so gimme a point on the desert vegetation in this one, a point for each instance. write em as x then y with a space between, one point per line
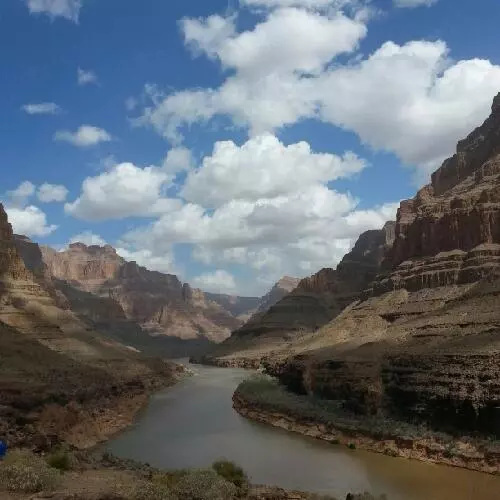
66 474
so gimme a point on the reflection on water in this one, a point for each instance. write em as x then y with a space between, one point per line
193 424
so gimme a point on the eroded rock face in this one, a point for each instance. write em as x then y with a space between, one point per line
158 302
319 298
424 344
11 266
58 376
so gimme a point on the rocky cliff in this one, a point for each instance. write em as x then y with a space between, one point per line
60 379
159 303
310 305
424 343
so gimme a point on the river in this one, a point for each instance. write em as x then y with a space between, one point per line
193 423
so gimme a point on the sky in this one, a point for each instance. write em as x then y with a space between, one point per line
232 142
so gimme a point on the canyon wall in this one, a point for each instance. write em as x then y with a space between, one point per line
424 342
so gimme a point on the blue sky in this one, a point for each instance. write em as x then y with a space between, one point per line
232 142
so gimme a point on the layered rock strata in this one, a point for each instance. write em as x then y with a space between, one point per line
158 302
423 343
60 380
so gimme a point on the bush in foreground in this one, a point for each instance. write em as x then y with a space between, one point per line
146 490
232 473
204 485
61 459
25 472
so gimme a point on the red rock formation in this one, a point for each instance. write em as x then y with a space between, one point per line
158 302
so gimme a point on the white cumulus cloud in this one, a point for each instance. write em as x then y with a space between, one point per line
85 136
219 281
125 190
68 9
43 108
163 262
19 197
263 167
29 221
88 238
178 159
410 99
48 193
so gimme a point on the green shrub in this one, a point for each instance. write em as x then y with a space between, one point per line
232 473
61 459
204 485
169 479
146 490
25 472
351 446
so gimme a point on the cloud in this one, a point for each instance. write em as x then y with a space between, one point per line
311 4
433 102
219 281
123 191
29 221
269 48
163 263
44 108
272 66
88 238
19 197
295 234
85 136
413 3
48 193
86 77
178 159
68 9
263 167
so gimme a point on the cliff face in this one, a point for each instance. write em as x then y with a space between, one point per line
54 369
315 300
157 302
424 343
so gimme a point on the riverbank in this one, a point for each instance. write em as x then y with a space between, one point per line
229 362
263 400
63 475
103 424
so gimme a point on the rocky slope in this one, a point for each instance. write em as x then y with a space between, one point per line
158 302
59 379
279 291
309 306
424 344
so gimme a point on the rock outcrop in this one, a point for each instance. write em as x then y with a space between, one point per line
60 379
423 344
310 305
157 302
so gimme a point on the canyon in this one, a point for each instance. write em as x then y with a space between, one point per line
59 379
151 311
407 326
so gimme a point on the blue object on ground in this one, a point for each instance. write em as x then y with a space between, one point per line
3 449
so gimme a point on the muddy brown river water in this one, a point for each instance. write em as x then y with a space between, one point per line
193 423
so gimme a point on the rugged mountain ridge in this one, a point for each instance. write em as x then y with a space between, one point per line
160 303
424 343
59 379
